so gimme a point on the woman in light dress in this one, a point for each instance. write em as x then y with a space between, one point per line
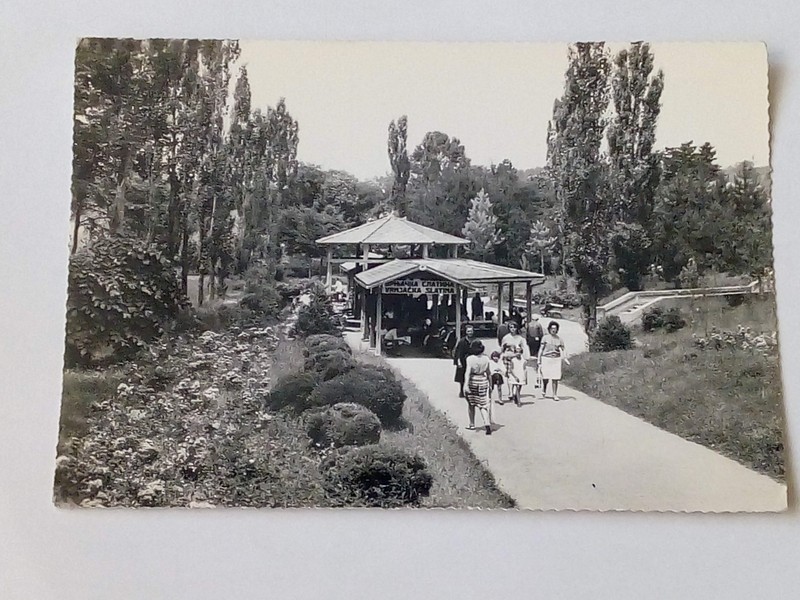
477 385
551 354
515 356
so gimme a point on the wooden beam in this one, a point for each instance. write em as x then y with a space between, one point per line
457 299
510 297
329 272
528 300
360 259
500 303
378 321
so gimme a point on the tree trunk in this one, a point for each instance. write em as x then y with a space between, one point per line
77 226
185 251
591 312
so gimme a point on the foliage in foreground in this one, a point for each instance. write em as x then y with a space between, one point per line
611 334
376 476
122 292
374 387
724 396
346 424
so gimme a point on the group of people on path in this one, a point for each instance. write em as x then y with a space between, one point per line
480 376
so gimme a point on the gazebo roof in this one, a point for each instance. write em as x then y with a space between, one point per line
460 270
392 230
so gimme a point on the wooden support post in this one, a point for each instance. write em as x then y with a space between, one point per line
456 299
425 250
499 304
510 299
455 250
378 322
364 267
329 272
528 301
364 316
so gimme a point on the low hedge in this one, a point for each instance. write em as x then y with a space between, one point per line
345 424
329 364
292 392
373 387
376 476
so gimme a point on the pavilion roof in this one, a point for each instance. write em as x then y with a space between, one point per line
392 230
461 270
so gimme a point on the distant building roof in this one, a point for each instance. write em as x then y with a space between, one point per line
460 270
392 230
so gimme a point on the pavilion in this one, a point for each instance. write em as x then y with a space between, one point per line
375 279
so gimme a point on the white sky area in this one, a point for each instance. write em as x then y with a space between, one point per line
496 98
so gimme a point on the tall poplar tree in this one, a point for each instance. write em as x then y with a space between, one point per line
575 135
633 164
401 166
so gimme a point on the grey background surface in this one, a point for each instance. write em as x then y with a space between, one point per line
48 553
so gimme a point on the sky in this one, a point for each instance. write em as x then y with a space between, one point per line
496 98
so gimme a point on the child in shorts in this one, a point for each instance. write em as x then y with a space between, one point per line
496 368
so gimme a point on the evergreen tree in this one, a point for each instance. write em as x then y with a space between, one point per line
481 227
690 210
539 242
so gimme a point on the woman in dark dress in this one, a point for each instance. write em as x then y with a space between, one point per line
460 354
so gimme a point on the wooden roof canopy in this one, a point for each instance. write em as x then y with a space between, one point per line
462 271
391 230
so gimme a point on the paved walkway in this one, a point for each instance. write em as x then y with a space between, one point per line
581 454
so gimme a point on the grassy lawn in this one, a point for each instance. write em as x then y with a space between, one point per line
459 479
729 400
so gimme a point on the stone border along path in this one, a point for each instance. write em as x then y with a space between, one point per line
582 454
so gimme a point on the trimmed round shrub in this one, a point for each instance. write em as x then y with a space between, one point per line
330 364
376 476
325 342
611 334
673 320
373 387
656 318
292 391
653 318
345 424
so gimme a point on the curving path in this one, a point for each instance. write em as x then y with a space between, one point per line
582 454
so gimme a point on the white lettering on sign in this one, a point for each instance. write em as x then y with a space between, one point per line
417 287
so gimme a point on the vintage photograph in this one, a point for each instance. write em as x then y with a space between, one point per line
423 275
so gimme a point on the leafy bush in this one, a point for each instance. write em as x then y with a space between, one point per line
376 476
563 297
373 387
329 364
346 424
653 318
325 343
262 300
611 334
122 293
317 316
744 338
292 391
656 318
289 290
673 320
